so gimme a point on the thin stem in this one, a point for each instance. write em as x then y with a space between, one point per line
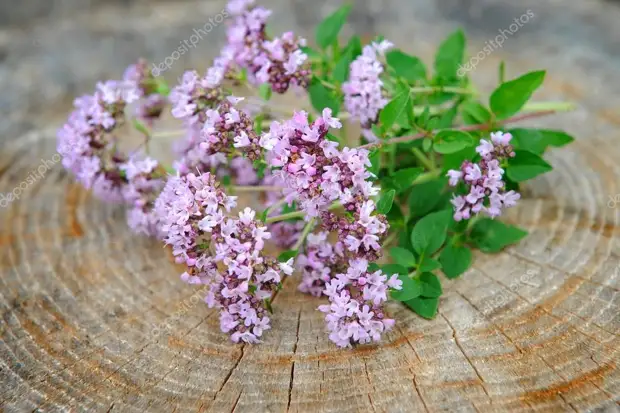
304 234
428 176
446 89
258 188
275 206
296 214
169 134
327 84
284 217
389 239
423 159
556 106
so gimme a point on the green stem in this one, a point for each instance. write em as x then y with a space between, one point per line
555 106
472 222
275 206
429 176
169 134
259 188
296 214
390 239
420 261
423 159
446 89
284 217
304 234
328 85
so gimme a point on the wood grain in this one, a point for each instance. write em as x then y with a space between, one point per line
94 318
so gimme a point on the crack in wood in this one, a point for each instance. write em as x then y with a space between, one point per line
290 387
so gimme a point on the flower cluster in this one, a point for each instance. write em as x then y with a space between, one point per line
152 103
320 260
315 173
355 313
224 131
87 141
484 180
194 210
194 95
186 206
145 180
279 62
363 92
362 232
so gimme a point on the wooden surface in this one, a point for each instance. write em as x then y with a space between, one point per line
93 318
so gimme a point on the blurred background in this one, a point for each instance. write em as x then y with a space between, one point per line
53 50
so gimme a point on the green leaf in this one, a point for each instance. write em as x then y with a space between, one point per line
391 269
351 51
396 108
424 307
403 178
537 140
427 144
411 288
528 139
162 87
310 52
455 260
454 160
526 165
450 55
341 70
446 119
429 264
372 267
395 217
556 138
431 286
409 67
384 205
474 113
489 235
429 233
264 91
268 305
375 161
425 196
327 31
287 255
511 96
451 141
321 97
403 257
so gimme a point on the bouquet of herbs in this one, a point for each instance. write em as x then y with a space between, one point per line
383 185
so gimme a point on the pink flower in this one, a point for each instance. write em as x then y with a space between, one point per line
484 180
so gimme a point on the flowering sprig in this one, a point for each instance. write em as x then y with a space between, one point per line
423 180
486 189
278 62
355 313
